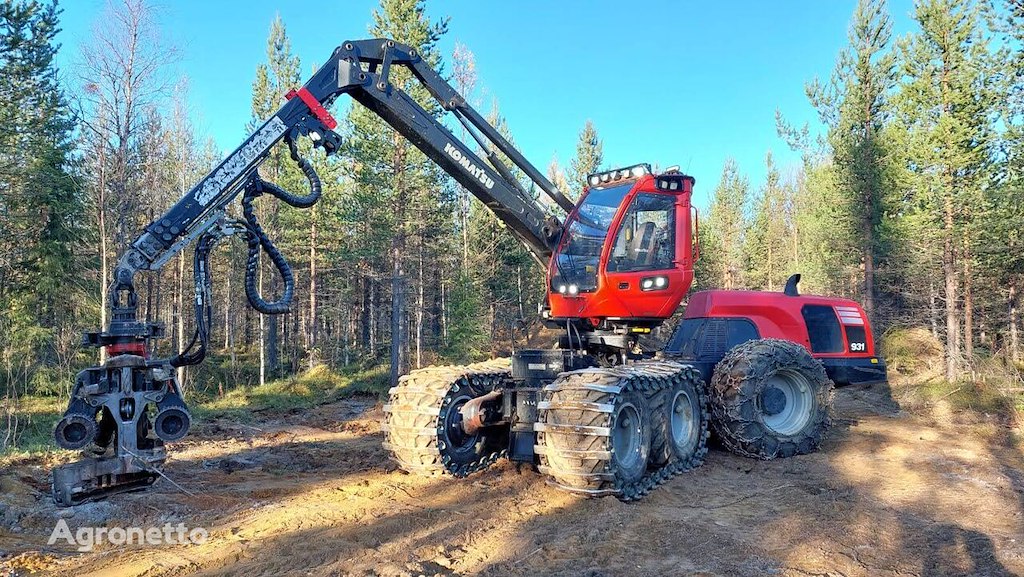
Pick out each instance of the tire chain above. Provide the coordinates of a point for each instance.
(413, 416)
(650, 378)
(729, 379)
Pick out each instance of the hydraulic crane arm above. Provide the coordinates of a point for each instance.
(362, 69)
(128, 406)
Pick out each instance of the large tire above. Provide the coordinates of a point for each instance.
(592, 439)
(680, 423)
(595, 428)
(420, 419)
(770, 399)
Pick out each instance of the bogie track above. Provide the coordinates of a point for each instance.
(421, 419)
(598, 428)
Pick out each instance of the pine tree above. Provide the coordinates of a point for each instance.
(273, 80)
(42, 208)
(767, 242)
(944, 103)
(726, 228)
(589, 159)
(853, 106)
(394, 182)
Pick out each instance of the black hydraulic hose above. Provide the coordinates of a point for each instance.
(258, 239)
(203, 304)
(310, 173)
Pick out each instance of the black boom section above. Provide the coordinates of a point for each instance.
(363, 72)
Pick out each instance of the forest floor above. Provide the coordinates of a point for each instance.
(310, 491)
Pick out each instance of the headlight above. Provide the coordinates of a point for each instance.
(573, 289)
(561, 289)
(653, 283)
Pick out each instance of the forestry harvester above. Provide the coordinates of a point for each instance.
(600, 414)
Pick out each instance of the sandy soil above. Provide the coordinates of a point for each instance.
(312, 493)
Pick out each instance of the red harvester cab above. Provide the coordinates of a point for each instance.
(626, 255)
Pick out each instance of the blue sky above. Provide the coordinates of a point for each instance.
(666, 82)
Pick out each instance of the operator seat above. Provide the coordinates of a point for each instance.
(642, 246)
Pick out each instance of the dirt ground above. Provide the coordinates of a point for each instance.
(312, 493)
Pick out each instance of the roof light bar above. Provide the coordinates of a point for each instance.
(619, 174)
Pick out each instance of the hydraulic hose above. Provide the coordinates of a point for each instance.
(258, 239)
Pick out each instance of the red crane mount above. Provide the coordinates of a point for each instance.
(601, 414)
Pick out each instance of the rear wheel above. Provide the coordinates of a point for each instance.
(594, 438)
(600, 430)
(770, 399)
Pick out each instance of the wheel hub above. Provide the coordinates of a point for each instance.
(773, 401)
(626, 435)
(455, 434)
(787, 403)
(683, 422)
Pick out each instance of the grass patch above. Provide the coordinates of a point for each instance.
(31, 424)
(911, 351)
(976, 396)
(313, 387)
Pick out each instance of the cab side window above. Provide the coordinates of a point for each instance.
(646, 239)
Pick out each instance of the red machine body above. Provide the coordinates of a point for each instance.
(835, 331)
(800, 319)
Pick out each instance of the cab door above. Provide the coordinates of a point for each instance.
(643, 261)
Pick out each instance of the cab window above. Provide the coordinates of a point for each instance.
(646, 239)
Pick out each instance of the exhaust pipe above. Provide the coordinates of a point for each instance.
(172, 419)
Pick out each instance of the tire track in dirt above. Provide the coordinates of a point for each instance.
(312, 493)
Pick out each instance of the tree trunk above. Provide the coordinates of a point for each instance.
(950, 276)
(263, 338)
(314, 316)
(968, 308)
(227, 310)
(101, 208)
(373, 311)
(444, 312)
(419, 310)
(273, 355)
(869, 271)
(397, 265)
(1014, 336)
(397, 306)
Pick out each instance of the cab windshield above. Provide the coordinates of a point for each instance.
(578, 261)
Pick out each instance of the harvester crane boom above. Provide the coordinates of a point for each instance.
(110, 401)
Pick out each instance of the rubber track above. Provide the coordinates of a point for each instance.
(411, 416)
(583, 449)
